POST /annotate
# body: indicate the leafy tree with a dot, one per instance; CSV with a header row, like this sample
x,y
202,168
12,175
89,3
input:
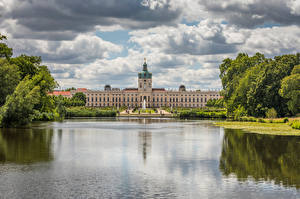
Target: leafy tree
x,y
80,96
46,83
28,65
253,83
290,89
5,51
18,109
10,78
211,102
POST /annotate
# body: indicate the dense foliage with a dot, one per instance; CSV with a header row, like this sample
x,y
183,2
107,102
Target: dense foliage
x,y
202,114
79,99
89,112
24,88
253,85
218,103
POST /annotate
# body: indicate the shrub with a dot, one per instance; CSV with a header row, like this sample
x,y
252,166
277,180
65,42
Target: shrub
x,y
89,112
285,120
271,113
295,124
239,112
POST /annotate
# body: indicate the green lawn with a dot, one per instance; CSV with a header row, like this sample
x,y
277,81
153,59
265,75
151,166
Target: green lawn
x,y
261,128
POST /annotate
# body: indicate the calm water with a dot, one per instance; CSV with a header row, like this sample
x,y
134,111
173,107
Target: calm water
x,y
146,158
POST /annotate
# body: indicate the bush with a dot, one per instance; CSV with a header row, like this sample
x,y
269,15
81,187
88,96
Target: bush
x,y
295,124
271,113
285,120
44,116
89,112
201,114
239,112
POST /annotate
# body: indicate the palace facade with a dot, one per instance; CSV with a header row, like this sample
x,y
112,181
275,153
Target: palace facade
x,y
154,97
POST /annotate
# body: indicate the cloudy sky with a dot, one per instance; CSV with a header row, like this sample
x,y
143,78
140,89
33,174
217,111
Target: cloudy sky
x,y
90,43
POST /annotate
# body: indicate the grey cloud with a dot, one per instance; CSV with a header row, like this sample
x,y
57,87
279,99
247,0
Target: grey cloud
x,y
250,14
204,47
56,17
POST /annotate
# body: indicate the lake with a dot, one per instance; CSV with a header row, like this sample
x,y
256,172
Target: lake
x,y
146,158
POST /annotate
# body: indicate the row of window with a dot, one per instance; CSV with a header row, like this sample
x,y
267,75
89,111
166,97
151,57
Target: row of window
x,y
137,105
190,95
153,99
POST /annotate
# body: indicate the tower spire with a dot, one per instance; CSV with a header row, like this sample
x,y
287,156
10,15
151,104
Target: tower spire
x,y
145,65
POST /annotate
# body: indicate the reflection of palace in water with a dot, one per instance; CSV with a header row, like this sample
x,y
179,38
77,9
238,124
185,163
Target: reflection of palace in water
x,y
145,141
153,97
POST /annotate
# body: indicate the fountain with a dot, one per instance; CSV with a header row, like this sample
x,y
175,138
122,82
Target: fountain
x,y
144,105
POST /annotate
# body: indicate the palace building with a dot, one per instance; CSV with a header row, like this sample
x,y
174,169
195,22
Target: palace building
x,y
153,97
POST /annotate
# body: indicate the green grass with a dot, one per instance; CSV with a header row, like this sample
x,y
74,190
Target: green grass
x,y
261,128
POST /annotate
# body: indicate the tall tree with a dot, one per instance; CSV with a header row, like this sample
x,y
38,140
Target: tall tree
x,y
290,89
10,78
18,109
28,65
252,83
80,96
5,51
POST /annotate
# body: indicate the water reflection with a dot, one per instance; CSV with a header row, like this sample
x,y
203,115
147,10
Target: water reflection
x,y
25,145
145,143
261,157
144,158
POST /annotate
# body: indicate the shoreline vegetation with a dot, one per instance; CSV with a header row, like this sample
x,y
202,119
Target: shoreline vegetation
x,y
89,112
261,128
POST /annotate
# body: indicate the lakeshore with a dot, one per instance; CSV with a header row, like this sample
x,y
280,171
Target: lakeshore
x,y
260,128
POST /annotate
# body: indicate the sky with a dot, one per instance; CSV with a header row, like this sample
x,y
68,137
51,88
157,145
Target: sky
x,y
90,43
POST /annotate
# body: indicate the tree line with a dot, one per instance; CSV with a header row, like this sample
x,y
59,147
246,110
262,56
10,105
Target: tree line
x,y
258,86
24,87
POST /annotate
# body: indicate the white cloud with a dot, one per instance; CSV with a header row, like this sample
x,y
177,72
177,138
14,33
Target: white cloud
x,y
294,5
84,48
272,41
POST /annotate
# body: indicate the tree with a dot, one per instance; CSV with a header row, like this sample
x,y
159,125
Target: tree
x,y
253,83
80,96
211,102
28,65
5,51
19,107
290,89
10,78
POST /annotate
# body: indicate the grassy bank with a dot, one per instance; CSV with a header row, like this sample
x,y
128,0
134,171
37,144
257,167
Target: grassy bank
x,y
261,128
89,112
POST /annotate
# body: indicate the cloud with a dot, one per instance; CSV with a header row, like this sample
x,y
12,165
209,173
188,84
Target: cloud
x,y
251,13
273,41
83,49
294,5
206,38
57,17
183,41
